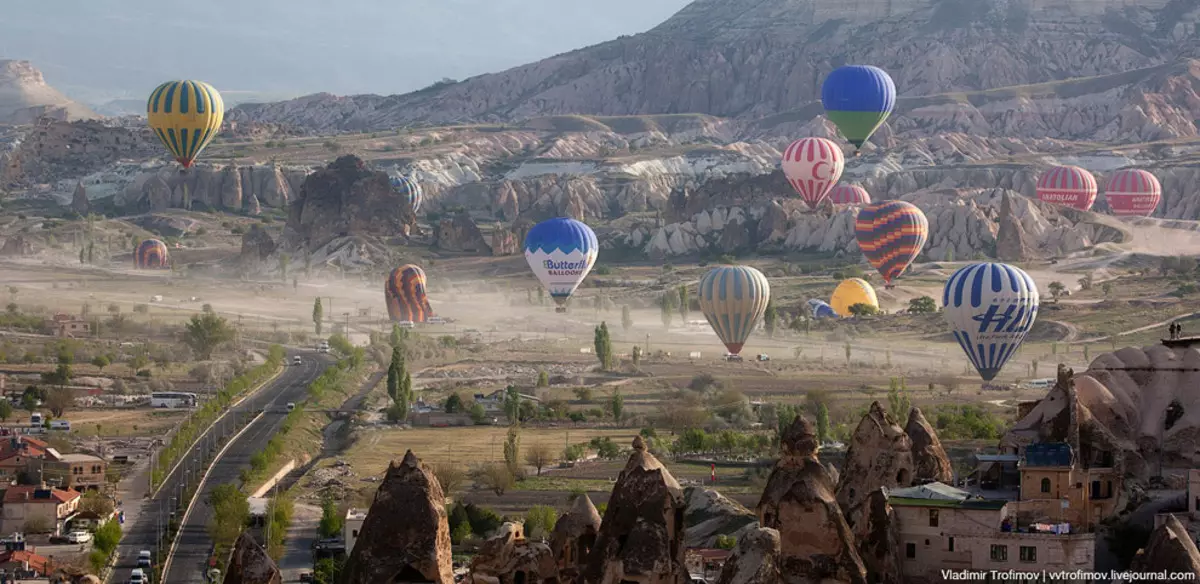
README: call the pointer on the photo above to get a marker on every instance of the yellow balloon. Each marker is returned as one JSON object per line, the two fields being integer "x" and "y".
{"x": 186, "y": 116}
{"x": 851, "y": 292}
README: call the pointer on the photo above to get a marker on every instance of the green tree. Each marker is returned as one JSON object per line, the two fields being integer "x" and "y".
{"x": 863, "y": 309}
{"x": 684, "y": 306}
{"x": 603, "y": 346}
{"x": 284, "y": 260}
{"x": 399, "y": 335}
{"x": 1057, "y": 289}
{"x": 543, "y": 379}
{"x": 626, "y": 318}
{"x": 616, "y": 404}
{"x": 1085, "y": 283}
{"x": 636, "y": 355}
{"x": 540, "y": 520}
{"x": 6, "y": 410}
{"x": 101, "y": 361}
{"x": 512, "y": 404}
{"x": 922, "y": 305}
{"x": 898, "y": 401}
{"x": 318, "y": 315}
{"x": 454, "y": 404}
{"x": 539, "y": 456}
{"x": 847, "y": 348}
{"x": 770, "y": 318}
{"x": 395, "y": 374}
{"x": 331, "y": 518}
{"x": 512, "y": 446}
{"x": 477, "y": 413}
{"x": 822, "y": 422}
{"x": 231, "y": 512}
{"x": 667, "y": 305}
{"x": 205, "y": 332}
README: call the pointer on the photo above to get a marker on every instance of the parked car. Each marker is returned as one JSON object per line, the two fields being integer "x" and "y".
{"x": 733, "y": 358}
{"x": 291, "y": 406}
{"x": 764, "y": 357}
{"x": 79, "y": 537}
{"x": 306, "y": 577}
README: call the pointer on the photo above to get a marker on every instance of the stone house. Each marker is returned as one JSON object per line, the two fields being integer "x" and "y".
{"x": 76, "y": 471}
{"x": 351, "y": 526}
{"x": 26, "y": 506}
{"x": 1057, "y": 487}
{"x": 23, "y": 564}
{"x": 68, "y": 326}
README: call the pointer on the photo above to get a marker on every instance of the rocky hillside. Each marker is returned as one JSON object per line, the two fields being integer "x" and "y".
{"x": 757, "y": 58}
{"x": 25, "y": 96}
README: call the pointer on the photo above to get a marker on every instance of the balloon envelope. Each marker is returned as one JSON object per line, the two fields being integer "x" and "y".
{"x": 733, "y": 298}
{"x": 821, "y": 309}
{"x": 851, "y": 292}
{"x": 1070, "y": 186}
{"x": 813, "y": 166}
{"x": 186, "y": 116}
{"x": 151, "y": 254}
{"x": 858, "y": 99}
{"x": 845, "y": 194}
{"x": 891, "y": 235}
{"x": 410, "y": 189}
{"x": 561, "y": 252}
{"x": 990, "y": 308}
{"x": 406, "y": 296}
{"x": 1133, "y": 192}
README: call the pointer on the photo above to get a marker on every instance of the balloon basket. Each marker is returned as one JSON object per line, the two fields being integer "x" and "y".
{"x": 560, "y": 309}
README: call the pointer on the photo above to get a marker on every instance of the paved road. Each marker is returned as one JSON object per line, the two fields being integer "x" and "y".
{"x": 143, "y": 526}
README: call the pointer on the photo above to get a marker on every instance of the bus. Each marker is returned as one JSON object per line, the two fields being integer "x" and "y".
{"x": 172, "y": 399}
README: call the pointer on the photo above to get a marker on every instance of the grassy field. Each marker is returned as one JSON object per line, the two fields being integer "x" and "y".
{"x": 109, "y": 423}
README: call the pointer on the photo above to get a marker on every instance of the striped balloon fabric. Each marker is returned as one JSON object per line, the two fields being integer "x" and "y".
{"x": 845, "y": 194}
{"x": 733, "y": 299}
{"x": 813, "y": 166}
{"x": 1133, "y": 192}
{"x": 410, "y": 189}
{"x": 405, "y": 294}
{"x": 1069, "y": 186}
{"x": 891, "y": 235}
{"x": 186, "y": 116}
{"x": 990, "y": 308}
{"x": 151, "y": 254}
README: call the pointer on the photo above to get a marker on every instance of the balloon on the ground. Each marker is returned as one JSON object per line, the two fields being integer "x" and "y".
{"x": 845, "y": 194}
{"x": 1133, "y": 192}
{"x": 561, "y": 252}
{"x": 891, "y": 235}
{"x": 733, "y": 299}
{"x": 151, "y": 254}
{"x": 850, "y": 292}
{"x": 1069, "y": 186}
{"x": 409, "y": 188}
{"x": 186, "y": 116}
{"x": 406, "y": 296}
{"x": 990, "y": 308}
{"x": 858, "y": 99}
{"x": 820, "y": 309}
{"x": 813, "y": 166}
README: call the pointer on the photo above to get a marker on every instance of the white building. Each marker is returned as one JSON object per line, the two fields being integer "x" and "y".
{"x": 351, "y": 526}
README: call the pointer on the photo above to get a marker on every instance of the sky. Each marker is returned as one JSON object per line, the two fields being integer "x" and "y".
{"x": 99, "y": 50}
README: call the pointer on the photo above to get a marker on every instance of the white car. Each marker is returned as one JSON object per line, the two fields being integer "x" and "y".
{"x": 79, "y": 537}
{"x": 138, "y": 577}
{"x": 291, "y": 406}
{"x": 435, "y": 320}
{"x": 144, "y": 559}
{"x": 297, "y": 360}
{"x": 406, "y": 324}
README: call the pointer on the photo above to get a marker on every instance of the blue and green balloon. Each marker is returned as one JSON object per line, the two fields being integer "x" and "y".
{"x": 858, "y": 99}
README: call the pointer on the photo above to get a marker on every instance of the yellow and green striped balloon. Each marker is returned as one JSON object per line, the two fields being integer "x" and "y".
{"x": 186, "y": 116}
{"x": 733, "y": 299}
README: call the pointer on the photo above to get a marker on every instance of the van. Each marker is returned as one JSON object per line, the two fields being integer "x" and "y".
{"x": 64, "y": 425}
{"x": 35, "y": 419}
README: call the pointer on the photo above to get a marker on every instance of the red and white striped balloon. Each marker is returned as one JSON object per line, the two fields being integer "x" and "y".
{"x": 844, "y": 194}
{"x": 813, "y": 166}
{"x": 1070, "y": 186}
{"x": 1133, "y": 192}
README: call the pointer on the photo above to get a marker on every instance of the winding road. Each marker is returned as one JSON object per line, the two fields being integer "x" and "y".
{"x": 193, "y": 544}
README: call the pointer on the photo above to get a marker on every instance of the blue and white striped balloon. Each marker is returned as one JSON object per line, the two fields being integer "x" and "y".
{"x": 409, "y": 188}
{"x": 990, "y": 308}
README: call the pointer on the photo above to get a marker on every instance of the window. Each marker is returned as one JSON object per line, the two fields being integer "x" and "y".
{"x": 1028, "y": 553}
{"x": 999, "y": 553}
{"x": 910, "y": 550}
{"x": 933, "y": 517}
{"x": 354, "y": 533}
{"x": 951, "y": 544}
{"x": 1045, "y": 485}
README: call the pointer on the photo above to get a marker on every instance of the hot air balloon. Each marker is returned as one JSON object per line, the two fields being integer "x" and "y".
{"x": 891, "y": 235}
{"x": 733, "y": 299}
{"x": 151, "y": 254}
{"x": 844, "y": 194}
{"x": 405, "y": 294}
{"x": 1133, "y": 192}
{"x": 561, "y": 252}
{"x": 1070, "y": 186}
{"x": 813, "y": 166}
{"x": 851, "y": 292}
{"x": 186, "y": 116}
{"x": 990, "y": 308}
{"x": 409, "y": 188}
{"x": 858, "y": 99}
{"x": 820, "y": 309}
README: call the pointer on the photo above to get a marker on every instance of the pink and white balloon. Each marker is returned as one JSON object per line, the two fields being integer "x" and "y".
{"x": 1133, "y": 192}
{"x": 845, "y": 194}
{"x": 813, "y": 166}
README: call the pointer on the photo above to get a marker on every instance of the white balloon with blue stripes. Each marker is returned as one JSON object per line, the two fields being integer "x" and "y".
{"x": 990, "y": 308}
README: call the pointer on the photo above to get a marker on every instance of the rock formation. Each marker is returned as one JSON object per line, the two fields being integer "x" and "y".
{"x": 879, "y": 455}
{"x": 79, "y": 200}
{"x": 405, "y": 537}
{"x": 815, "y": 542}
{"x": 345, "y": 199}
{"x": 1011, "y": 244}
{"x": 641, "y": 537}
{"x": 257, "y": 244}
{"x": 930, "y": 462}
{"x": 878, "y": 537}
{"x": 1170, "y": 550}
{"x": 509, "y": 558}
{"x": 250, "y": 564}
{"x": 573, "y": 537}
{"x": 710, "y": 514}
{"x": 504, "y": 243}
{"x": 165, "y": 225}
{"x": 460, "y": 233}
{"x": 16, "y": 246}
{"x": 755, "y": 560}
{"x": 25, "y": 97}
{"x": 206, "y": 187}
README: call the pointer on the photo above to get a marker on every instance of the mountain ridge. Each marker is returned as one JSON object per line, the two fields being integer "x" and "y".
{"x": 25, "y": 96}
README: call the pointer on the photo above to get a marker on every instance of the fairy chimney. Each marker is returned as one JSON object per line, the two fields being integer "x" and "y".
{"x": 880, "y": 455}
{"x": 574, "y": 536}
{"x": 930, "y": 462}
{"x": 509, "y": 558}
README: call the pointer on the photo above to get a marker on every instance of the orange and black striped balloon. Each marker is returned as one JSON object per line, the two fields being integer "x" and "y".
{"x": 151, "y": 254}
{"x": 891, "y": 235}
{"x": 405, "y": 294}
